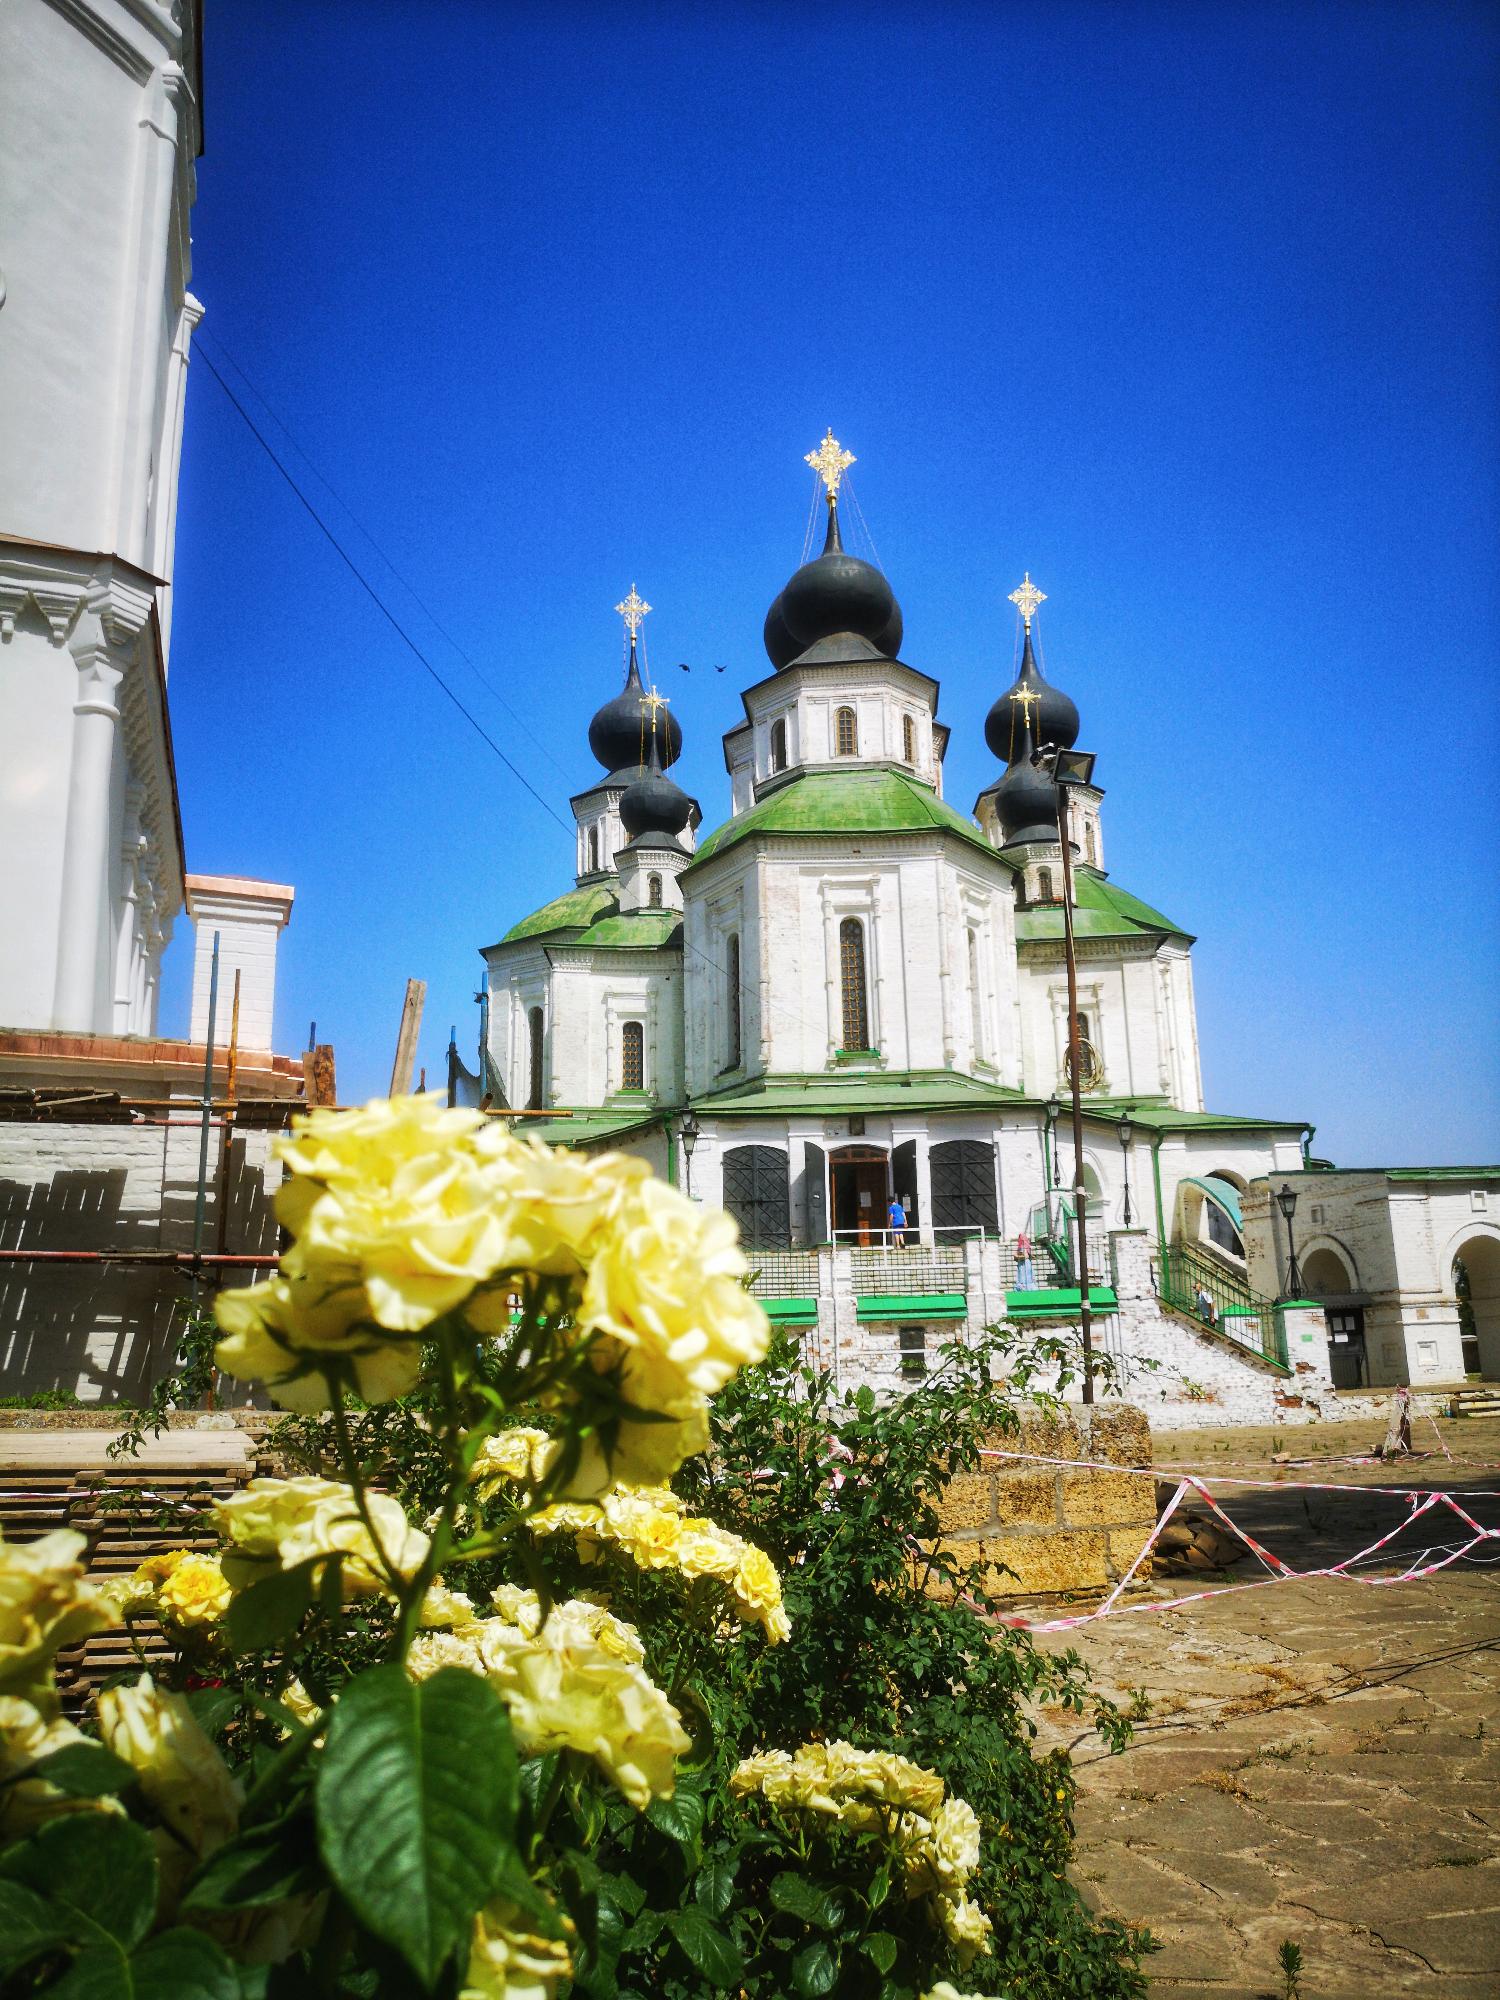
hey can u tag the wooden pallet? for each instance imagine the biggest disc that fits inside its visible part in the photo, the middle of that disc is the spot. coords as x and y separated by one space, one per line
126 1516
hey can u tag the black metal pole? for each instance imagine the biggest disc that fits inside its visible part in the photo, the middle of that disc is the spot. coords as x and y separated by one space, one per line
1293 1275
1080 1192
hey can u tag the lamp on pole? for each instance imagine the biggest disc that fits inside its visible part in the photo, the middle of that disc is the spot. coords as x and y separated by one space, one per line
687 1132
1127 1134
1286 1201
1053 1110
1067 768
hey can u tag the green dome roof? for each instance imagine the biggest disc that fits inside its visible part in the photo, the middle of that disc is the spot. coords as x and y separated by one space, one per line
868 800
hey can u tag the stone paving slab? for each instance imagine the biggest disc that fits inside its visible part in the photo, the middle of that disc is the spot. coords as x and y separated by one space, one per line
1321 1762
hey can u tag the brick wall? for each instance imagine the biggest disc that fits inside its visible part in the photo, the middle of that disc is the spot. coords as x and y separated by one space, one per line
1044 1529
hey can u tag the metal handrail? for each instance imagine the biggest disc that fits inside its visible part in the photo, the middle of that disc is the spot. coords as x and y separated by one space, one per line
1184 1275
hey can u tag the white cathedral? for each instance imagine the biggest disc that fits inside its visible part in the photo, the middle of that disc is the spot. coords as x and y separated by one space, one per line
850 991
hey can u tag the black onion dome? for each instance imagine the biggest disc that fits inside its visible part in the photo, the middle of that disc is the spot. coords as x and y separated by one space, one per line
655 803
619 729
834 593
1054 715
1025 798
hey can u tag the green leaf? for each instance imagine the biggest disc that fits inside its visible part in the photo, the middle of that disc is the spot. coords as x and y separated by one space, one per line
416 1798
797 1897
184 1965
679 1817
815 1970
708 1949
27 1926
880 1948
714 1888
86 1770
214 1708
272 1609
260 1867
99 1867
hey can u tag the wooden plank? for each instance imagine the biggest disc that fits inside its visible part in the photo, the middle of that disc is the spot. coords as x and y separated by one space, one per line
317 1075
406 1039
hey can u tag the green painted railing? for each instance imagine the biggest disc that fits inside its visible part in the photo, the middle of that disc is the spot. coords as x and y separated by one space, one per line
1183 1276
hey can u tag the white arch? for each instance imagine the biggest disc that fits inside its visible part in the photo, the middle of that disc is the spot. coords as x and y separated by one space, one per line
1336 1247
1465 1233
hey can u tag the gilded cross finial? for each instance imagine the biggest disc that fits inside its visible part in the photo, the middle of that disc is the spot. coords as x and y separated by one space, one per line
1026 696
1026 597
633 609
652 700
830 461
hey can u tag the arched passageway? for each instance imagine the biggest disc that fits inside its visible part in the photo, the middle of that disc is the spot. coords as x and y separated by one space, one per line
1476 1286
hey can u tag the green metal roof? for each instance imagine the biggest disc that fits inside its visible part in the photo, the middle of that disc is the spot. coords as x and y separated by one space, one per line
573 912
586 1127
1156 1115
869 799
593 919
638 930
1102 910
836 1094
1400 1173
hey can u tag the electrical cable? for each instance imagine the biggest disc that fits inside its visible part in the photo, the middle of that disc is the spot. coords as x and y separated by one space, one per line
484 681
374 595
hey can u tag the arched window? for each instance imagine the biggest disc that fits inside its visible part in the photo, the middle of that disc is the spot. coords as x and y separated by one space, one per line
534 1085
908 739
633 1057
593 849
852 987
653 891
732 1015
778 744
845 734
976 998
1090 844
1044 885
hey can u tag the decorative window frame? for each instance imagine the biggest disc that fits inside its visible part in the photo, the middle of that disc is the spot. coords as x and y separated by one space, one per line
1091 1003
844 897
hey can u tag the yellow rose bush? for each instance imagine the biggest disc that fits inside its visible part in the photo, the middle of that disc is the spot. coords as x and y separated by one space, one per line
484 1693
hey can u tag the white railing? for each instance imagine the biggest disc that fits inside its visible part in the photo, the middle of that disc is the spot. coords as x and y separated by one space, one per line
782 1274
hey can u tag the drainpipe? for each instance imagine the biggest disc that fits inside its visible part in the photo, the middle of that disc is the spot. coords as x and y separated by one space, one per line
671 1132
1161 1224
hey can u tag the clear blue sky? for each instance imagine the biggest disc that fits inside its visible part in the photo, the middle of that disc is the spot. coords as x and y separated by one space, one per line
1190 310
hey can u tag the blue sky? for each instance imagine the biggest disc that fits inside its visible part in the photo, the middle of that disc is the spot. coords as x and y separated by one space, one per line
1190 310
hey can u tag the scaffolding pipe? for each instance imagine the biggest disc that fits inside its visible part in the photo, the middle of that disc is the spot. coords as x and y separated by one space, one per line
174 1257
208 1104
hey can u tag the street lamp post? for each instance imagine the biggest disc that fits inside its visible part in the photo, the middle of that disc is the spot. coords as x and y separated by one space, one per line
1053 1111
1067 768
1286 1201
1127 1133
688 1132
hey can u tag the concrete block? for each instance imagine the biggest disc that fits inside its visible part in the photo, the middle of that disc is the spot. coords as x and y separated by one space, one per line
1027 1496
967 1502
1125 1544
1069 1559
1107 1499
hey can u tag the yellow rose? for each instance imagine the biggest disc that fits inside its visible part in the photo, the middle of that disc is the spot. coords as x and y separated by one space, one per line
965 1926
444 1607
840 1781
178 1768
26 1736
292 1520
276 1333
665 1285
941 1853
45 1603
523 1456
945 1990
757 1595
508 1961
194 1592
572 1682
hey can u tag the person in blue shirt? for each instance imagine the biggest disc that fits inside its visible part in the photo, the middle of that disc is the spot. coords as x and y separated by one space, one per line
897 1220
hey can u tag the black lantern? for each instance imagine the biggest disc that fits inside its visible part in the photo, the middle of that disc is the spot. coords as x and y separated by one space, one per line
1286 1201
687 1131
1127 1135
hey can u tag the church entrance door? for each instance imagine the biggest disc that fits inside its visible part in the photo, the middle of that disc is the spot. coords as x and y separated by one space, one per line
861 1180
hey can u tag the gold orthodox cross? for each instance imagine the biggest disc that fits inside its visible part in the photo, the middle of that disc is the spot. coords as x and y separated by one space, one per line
1026 597
830 461
1025 695
633 609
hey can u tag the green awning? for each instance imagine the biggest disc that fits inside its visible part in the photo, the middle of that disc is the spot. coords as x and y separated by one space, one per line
1223 1194
1062 1302
791 1312
911 1306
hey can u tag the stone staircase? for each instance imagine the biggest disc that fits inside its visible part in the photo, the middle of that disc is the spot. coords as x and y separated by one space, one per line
127 1511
